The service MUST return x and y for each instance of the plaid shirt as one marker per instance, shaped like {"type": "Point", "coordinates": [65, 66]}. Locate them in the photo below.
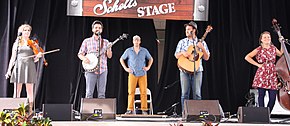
{"type": "Point", "coordinates": [91, 45]}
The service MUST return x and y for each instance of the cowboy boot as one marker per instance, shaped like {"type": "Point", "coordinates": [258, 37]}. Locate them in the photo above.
{"type": "Point", "coordinates": [30, 108]}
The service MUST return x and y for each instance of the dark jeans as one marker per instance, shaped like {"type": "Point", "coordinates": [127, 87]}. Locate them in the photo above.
{"type": "Point", "coordinates": [272, 97]}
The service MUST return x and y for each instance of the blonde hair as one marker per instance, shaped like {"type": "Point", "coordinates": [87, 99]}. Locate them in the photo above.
{"type": "Point", "coordinates": [21, 27]}
{"type": "Point", "coordinates": [136, 37]}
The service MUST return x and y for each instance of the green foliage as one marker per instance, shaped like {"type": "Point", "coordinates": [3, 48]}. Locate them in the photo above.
{"type": "Point", "coordinates": [22, 117]}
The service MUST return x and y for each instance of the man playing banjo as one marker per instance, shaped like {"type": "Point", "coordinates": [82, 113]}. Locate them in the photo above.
{"type": "Point", "coordinates": [94, 52]}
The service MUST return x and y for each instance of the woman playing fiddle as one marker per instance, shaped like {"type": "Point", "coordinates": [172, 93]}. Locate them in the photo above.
{"type": "Point", "coordinates": [265, 78]}
{"type": "Point", "coordinates": [26, 68]}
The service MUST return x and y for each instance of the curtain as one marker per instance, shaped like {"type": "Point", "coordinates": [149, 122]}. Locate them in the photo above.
{"type": "Point", "coordinates": [62, 81]}
{"type": "Point", "coordinates": [227, 76]}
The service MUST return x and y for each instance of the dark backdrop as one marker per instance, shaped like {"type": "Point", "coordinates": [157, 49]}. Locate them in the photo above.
{"type": "Point", "coordinates": [64, 73]}
{"type": "Point", "coordinates": [227, 76]}
{"type": "Point", "coordinates": [236, 29]}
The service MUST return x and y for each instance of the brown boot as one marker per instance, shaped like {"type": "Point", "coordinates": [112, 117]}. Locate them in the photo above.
{"type": "Point", "coordinates": [30, 108]}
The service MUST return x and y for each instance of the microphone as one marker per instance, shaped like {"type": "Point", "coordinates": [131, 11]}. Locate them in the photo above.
{"type": "Point", "coordinates": [190, 32]}
{"type": "Point", "coordinates": [34, 37]}
{"type": "Point", "coordinates": [170, 85]}
{"type": "Point", "coordinates": [158, 42]}
{"type": "Point", "coordinates": [165, 111]}
{"type": "Point", "coordinates": [161, 113]}
{"type": "Point", "coordinates": [98, 33]}
{"type": "Point", "coordinates": [175, 104]}
{"type": "Point", "coordinates": [166, 87]}
{"type": "Point", "coordinates": [19, 34]}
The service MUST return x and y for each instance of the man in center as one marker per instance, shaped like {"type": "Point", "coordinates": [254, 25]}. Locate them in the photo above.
{"type": "Point", "coordinates": [136, 60]}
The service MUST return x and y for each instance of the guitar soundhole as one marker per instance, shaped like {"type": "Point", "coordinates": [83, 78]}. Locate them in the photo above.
{"type": "Point", "coordinates": [194, 56]}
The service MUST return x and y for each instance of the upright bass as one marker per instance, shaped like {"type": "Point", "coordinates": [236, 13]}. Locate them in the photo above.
{"type": "Point", "coordinates": [283, 69]}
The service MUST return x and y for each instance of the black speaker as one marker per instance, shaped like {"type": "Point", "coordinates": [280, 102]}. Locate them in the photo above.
{"type": "Point", "coordinates": [102, 108]}
{"type": "Point", "coordinates": [12, 103]}
{"type": "Point", "coordinates": [202, 110]}
{"type": "Point", "coordinates": [253, 114]}
{"type": "Point", "coordinates": [58, 112]}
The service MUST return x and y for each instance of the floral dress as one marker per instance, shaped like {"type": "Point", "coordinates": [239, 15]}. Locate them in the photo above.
{"type": "Point", "coordinates": [266, 76]}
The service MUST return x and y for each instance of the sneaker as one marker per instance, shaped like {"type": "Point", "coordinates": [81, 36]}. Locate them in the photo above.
{"type": "Point", "coordinates": [144, 112]}
{"type": "Point", "coordinates": [129, 112]}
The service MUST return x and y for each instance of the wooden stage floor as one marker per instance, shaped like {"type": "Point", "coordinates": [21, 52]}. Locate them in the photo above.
{"type": "Point", "coordinates": [161, 122]}
{"type": "Point", "coordinates": [130, 123]}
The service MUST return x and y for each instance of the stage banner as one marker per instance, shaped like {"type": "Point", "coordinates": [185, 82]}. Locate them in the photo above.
{"type": "Point", "coordinates": [153, 9]}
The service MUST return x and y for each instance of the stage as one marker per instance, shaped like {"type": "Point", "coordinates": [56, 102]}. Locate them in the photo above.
{"type": "Point", "coordinates": [164, 120]}
{"type": "Point", "coordinates": [139, 121]}
{"type": "Point", "coordinates": [279, 117]}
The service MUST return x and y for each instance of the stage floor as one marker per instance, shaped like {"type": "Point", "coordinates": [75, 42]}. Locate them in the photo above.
{"type": "Point", "coordinates": [161, 122]}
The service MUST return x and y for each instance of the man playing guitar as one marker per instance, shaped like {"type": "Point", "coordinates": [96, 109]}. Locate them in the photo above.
{"type": "Point", "coordinates": [191, 79]}
{"type": "Point", "coordinates": [95, 45]}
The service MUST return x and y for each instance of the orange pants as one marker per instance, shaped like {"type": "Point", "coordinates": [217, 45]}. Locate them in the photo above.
{"type": "Point", "coordinates": [132, 84]}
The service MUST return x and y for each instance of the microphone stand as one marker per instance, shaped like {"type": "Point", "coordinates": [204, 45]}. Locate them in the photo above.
{"type": "Point", "coordinates": [194, 54]}
{"type": "Point", "coordinates": [172, 84]}
{"type": "Point", "coordinates": [39, 67]}
{"type": "Point", "coordinates": [174, 113]}
{"type": "Point", "coordinates": [16, 63]}
{"type": "Point", "coordinates": [286, 41]}
{"type": "Point", "coordinates": [77, 87]}
{"type": "Point", "coordinates": [99, 61]}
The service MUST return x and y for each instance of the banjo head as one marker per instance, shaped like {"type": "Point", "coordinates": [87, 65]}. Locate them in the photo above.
{"type": "Point", "coordinates": [93, 65]}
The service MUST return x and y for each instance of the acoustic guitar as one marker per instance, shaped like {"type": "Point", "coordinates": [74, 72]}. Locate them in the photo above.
{"type": "Point", "coordinates": [192, 63]}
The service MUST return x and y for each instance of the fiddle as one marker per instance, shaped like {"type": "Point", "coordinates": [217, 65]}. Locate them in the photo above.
{"type": "Point", "coordinates": [36, 48]}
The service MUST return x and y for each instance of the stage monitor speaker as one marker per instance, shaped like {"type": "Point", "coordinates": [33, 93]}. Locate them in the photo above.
{"type": "Point", "coordinates": [253, 115]}
{"type": "Point", "coordinates": [106, 107]}
{"type": "Point", "coordinates": [58, 112]}
{"type": "Point", "coordinates": [202, 110]}
{"type": "Point", "coordinates": [12, 103]}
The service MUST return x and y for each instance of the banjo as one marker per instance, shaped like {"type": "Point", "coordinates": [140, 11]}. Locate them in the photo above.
{"type": "Point", "coordinates": [94, 57]}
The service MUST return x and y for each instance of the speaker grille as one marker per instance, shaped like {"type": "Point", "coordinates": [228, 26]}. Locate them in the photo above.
{"type": "Point", "coordinates": [202, 110]}
{"type": "Point", "coordinates": [253, 115]}
{"type": "Point", "coordinates": [108, 107]}
{"type": "Point", "coordinates": [59, 112]}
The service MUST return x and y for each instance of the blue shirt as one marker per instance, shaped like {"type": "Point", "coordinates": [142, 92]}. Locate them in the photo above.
{"type": "Point", "coordinates": [136, 62]}
{"type": "Point", "coordinates": [183, 45]}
